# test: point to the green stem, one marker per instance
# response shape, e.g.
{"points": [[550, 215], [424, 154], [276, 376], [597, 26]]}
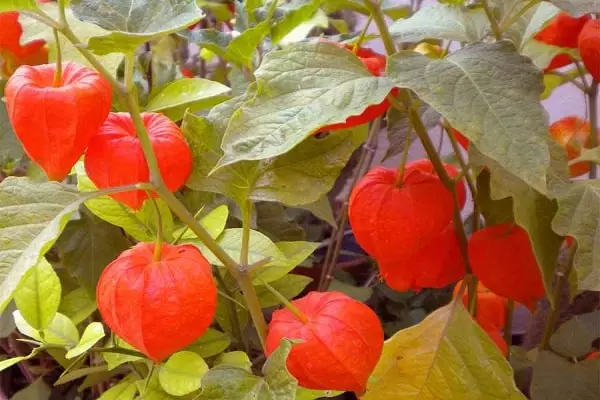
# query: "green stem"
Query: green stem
{"points": [[384, 32], [246, 217], [297, 313], [472, 295], [403, 160], [186, 228], [493, 23], [513, 18], [363, 33], [562, 279], [159, 228], [461, 161], [593, 111], [510, 308], [58, 73], [449, 183], [232, 310]]}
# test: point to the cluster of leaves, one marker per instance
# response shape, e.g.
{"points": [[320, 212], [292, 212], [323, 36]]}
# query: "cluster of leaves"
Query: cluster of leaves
{"points": [[249, 122]]}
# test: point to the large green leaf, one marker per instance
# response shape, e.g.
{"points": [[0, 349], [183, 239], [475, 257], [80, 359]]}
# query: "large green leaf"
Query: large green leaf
{"points": [[299, 89], [77, 305], [578, 7], [32, 216], [530, 23], [192, 94], [294, 13], [299, 177], [555, 378], [232, 383], [33, 29], [442, 21], [91, 335], [140, 224], [131, 23], [38, 295], [446, 356], [61, 331], [87, 246], [182, 373], [577, 216], [575, 337], [491, 94]]}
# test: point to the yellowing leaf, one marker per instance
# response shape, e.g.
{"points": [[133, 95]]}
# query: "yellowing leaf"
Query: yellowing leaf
{"points": [[447, 356]]}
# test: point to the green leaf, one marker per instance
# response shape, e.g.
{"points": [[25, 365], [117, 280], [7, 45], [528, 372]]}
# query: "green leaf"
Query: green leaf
{"points": [[10, 147], [575, 337], [32, 216], [70, 376], [193, 94], [140, 224], [77, 305], [231, 241], [541, 54], [321, 209], [506, 121], [530, 23], [232, 383], [293, 100], [555, 378], [132, 23], [9, 362], [223, 316], [577, 216], [214, 222], [61, 331], [441, 21], [91, 335], [124, 390], [239, 49], [302, 176], [237, 359], [87, 246], [7, 322], [113, 360], [18, 5], [274, 220], [532, 210], [301, 31], [446, 356], [399, 128], [182, 373], [38, 295], [289, 286], [293, 254], [211, 343], [578, 7], [38, 390], [295, 13], [33, 29], [308, 171]]}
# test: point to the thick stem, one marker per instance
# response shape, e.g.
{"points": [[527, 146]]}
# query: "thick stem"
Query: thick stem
{"points": [[493, 22], [510, 308], [379, 18], [403, 160], [593, 112], [58, 73], [562, 279], [254, 307], [159, 229], [246, 217]]}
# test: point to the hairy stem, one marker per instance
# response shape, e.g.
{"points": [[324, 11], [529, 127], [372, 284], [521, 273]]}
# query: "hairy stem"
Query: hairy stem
{"points": [[562, 279], [593, 112], [493, 22]]}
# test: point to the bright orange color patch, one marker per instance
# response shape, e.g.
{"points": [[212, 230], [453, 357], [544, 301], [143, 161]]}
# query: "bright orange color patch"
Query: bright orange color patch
{"points": [[56, 124], [408, 229], [460, 138], [502, 258], [563, 30], [12, 53], [589, 47], [158, 307], [115, 156], [375, 63], [573, 134], [491, 308], [341, 343]]}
